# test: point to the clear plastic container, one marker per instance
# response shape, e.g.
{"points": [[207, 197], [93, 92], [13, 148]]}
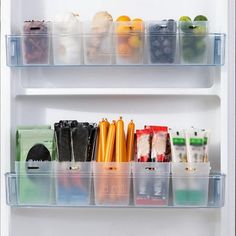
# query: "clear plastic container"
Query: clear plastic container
{"points": [[73, 183], [151, 183], [112, 183], [36, 43], [161, 42], [194, 42], [67, 43], [129, 42], [34, 182], [98, 48], [13, 46], [190, 184], [58, 196]]}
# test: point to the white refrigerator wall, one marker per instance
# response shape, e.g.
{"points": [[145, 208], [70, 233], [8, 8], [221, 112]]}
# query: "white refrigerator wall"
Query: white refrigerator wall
{"points": [[176, 96]]}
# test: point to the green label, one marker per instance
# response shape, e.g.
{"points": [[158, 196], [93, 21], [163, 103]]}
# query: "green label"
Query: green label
{"points": [[196, 141], [205, 140], [179, 141]]}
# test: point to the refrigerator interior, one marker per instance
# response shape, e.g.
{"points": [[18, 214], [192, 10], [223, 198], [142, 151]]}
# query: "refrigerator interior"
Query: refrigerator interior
{"points": [[177, 96]]}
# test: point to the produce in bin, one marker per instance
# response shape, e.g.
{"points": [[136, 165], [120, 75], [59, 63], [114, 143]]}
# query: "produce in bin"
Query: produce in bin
{"points": [[67, 40], [36, 42], [98, 40], [129, 40], [193, 39], [162, 41]]}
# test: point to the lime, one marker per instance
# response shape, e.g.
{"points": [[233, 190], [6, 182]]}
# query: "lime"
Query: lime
{"points": [[185, 18], [201, 29], [200, 18], [186, 26], [200, 47], [188, 54]]}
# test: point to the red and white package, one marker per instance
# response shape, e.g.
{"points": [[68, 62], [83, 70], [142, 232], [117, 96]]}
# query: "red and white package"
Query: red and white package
{"points": [[159, 143], [143, 145]]}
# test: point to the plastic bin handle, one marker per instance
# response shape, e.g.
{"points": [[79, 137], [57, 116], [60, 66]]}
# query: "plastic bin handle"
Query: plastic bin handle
{"points": [[190, 169]]}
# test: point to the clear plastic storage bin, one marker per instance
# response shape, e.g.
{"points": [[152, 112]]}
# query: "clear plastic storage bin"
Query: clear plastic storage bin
{"points": [[190, 183], [194, 42], [98, 48], [34, 183], [129, 42], [73, 183], [112, 183], [151, 183], [36, 43], [67, 43], [161, 42]]}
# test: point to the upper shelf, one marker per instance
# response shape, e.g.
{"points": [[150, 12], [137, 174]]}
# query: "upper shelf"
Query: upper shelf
{"points": [[169, 49]]}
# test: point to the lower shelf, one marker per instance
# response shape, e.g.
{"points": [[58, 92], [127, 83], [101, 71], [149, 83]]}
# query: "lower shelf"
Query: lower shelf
{"points": [[123, 190]]}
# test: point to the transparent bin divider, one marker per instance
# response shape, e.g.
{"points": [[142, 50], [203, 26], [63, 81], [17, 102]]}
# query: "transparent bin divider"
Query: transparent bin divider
{"points": [[161, 42], [151, 183], [129, 40], [11, 189], [217, 49], [73, 183], [98, 43], [67, 43], [194, 42], [14, 53], [190, 183], [112, 183], [35, 183], [216, 194], [36, 43]]}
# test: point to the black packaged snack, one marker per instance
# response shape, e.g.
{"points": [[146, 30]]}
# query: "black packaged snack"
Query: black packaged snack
{"points": [[76, 141], [63, 140], [162, 41]]}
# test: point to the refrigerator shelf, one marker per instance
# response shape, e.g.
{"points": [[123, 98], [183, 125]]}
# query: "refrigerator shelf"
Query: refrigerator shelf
{"points": [[119, 190], [62, 50], [118, 91]]}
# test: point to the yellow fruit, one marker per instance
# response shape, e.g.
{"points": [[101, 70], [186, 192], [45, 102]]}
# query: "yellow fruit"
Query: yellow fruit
{"points": [[134, 41], [123, 18], [123, 29], [124, 50], [137, 25]]}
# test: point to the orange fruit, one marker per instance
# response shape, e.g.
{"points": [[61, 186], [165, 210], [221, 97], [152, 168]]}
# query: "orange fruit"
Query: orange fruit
{"points": [[124, 50], [123, 29], [134, 41], [137, 25], [123, 18], [122, 39]]}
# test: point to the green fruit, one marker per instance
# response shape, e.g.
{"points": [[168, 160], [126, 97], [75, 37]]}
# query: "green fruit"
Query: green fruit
{"points": [[185, 18], [200, 29], [200, 18], [188, 41], [186, 26], [188, 53], [200, 47]]}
